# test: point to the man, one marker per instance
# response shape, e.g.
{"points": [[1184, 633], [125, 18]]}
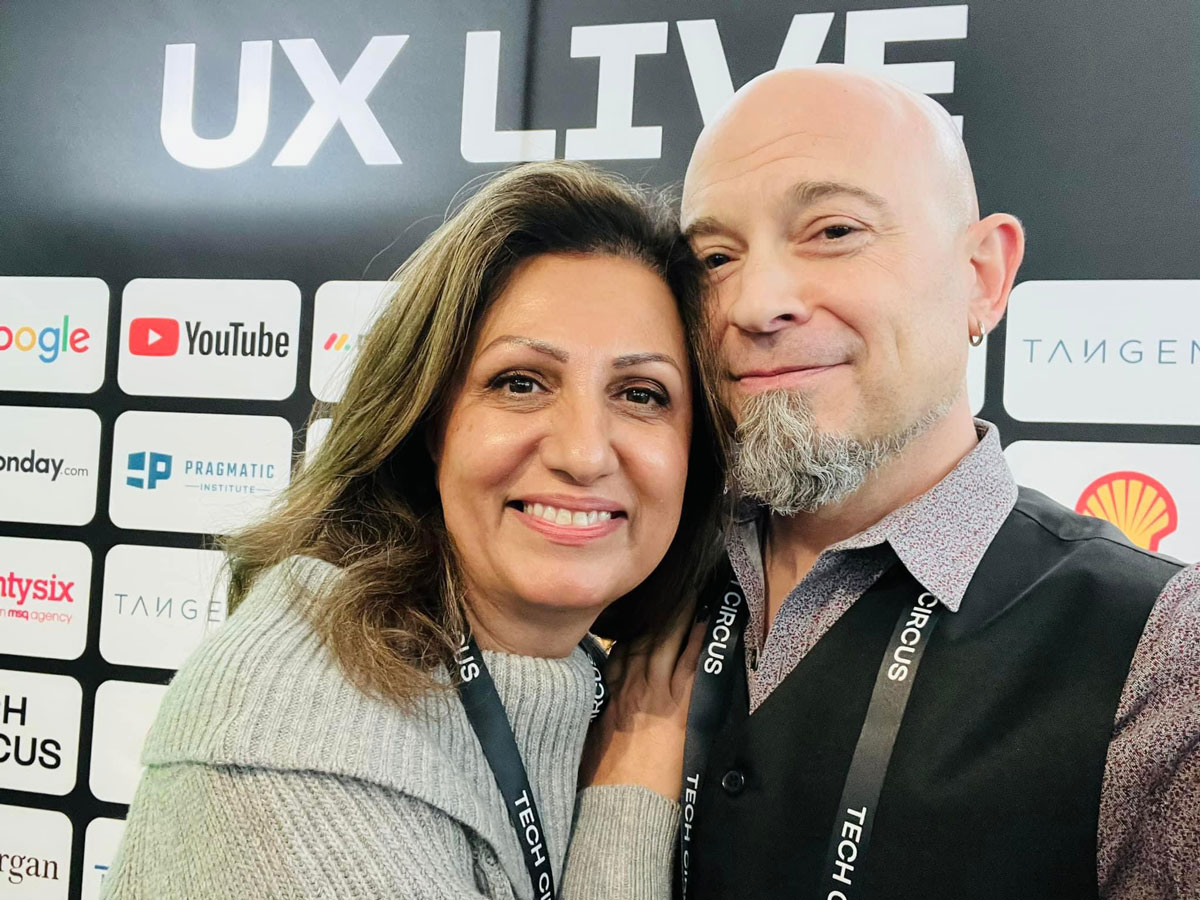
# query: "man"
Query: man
{"points": [[1007, 693]]}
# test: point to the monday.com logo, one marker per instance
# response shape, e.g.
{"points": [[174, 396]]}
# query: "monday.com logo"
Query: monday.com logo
{"points": [[342, 315], [52, 334], [194, 337], [196, 472], [1104, 351], [49, 461]]}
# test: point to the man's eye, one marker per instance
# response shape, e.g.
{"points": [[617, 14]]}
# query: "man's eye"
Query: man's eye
{"points": [[715, 260], [833, 232]]}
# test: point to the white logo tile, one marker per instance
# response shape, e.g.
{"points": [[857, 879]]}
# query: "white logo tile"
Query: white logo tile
{"points": [[1104, 351], [200, 337], [1150, 491], [125, 710], [39, 731], [196, 471], [49, 462], [100, 843], [159, 603], [53, 334], [35, 854], [343, 313], [44, 591]]}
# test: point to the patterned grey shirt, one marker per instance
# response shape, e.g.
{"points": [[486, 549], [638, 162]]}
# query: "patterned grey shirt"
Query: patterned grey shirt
{"points": [[1148, 840]]}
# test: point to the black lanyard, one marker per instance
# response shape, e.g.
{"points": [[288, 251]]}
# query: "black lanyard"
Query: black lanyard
{"points": [[712, 693], [490, 723]]}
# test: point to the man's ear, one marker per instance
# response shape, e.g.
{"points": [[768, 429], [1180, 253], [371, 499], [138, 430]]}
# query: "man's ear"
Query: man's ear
{"points": [[997, 245]]}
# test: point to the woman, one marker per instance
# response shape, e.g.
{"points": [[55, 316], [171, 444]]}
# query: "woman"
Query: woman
{"points": [[524, 445]]}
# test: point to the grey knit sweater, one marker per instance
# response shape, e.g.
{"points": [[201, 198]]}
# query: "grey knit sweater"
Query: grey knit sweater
{"points": [[269, 775]]}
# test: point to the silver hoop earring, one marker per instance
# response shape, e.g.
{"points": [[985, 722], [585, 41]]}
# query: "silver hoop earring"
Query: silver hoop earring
{"points": [[977, 339]]}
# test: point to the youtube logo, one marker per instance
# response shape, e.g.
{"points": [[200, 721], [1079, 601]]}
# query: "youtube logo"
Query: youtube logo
{"points": [[149, 336]]}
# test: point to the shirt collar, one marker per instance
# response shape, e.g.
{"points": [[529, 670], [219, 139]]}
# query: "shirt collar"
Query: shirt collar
{"points": [[941, 536]]}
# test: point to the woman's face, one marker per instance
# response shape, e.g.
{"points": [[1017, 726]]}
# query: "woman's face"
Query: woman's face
{"points": [[563, 456]]}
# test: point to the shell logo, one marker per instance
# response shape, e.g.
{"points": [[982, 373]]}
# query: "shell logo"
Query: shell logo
{"points": [[1136, 503]]}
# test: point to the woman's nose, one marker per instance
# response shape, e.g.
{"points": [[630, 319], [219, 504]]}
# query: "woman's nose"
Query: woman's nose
{"points": [[579, 444], [767, 296]]}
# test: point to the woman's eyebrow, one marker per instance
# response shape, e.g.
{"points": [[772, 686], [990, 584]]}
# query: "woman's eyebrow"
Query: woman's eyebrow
{"points": [[634, 359], [532, 343]]}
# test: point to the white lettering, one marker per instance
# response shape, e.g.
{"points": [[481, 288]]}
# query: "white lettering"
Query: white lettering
{"points": [[618, 47], [480, 142], [344, 101]]}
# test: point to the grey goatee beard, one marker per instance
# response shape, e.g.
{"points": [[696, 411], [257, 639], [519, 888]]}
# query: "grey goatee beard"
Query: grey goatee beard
{"points": [[787, 464]]}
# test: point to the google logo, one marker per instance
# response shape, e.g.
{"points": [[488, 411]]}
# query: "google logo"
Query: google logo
{"points": [[50, 341]]}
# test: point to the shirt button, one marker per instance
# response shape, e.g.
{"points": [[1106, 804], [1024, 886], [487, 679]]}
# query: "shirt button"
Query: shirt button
{"points": [[733, 781]]}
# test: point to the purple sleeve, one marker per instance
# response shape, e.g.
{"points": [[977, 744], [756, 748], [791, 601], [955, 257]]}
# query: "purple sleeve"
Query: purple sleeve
{"points": [[1149, 836]]}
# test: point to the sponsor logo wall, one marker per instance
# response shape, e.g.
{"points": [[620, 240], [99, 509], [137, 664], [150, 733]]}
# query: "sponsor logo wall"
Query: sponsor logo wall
{"points": [[178, 289]]}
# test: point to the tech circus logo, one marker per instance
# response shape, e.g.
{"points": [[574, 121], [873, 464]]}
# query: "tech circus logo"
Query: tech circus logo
{"points": [[1139, 505]]}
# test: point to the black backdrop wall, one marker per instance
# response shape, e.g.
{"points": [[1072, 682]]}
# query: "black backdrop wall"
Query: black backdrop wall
{"points": [[269, 164]]}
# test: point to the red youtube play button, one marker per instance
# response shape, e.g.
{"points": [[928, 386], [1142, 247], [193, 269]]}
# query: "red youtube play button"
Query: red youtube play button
{"points": [[153, 337]]}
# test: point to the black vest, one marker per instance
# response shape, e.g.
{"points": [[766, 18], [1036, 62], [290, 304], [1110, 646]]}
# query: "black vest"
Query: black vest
{"points": [[993, 789]]}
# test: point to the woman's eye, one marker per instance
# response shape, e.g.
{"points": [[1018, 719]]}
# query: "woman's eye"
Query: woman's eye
{"points": [[516, 384], [644, 396], [715, 260], [833, 232]]}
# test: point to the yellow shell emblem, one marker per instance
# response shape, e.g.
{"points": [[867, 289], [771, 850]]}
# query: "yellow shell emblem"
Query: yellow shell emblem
{"points": [[1136, 503]]}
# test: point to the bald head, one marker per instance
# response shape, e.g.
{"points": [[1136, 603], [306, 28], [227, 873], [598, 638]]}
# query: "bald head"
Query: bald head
{"points": [[875, 125]]}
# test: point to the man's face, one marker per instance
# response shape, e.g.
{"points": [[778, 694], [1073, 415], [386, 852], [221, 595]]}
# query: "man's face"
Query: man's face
{"points": [[837, 264]]}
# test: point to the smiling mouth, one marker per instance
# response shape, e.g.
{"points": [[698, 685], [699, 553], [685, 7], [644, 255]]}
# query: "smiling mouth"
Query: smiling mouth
{"points": [[564, 516]]}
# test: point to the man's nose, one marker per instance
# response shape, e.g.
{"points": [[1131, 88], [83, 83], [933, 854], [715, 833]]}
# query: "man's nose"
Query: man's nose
{"points": [[767, 295], [579, 445]]}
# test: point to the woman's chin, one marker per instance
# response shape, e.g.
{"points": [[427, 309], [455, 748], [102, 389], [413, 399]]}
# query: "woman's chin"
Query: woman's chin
{"points": [[572, 596]]}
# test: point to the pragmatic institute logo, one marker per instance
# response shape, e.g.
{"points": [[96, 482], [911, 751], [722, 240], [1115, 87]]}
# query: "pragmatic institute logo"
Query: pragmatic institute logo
{"points": [[1139, 505]]}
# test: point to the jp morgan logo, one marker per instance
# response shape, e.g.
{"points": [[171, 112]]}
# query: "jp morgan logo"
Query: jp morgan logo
{"points": [[34, 463], [16, 867]]}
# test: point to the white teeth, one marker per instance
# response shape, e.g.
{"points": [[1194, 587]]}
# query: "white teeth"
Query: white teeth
{"points": [[574, 518]]}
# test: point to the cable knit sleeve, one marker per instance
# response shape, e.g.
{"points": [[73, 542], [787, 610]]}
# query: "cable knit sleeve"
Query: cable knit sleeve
{"points": [[623, 845], [201, 832]]}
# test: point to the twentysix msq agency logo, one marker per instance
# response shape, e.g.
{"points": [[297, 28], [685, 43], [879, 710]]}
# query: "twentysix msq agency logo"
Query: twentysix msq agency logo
{"points": [[44, 593], [1104, 351], [204, 337], [35, 854], [159, 603], [49, 461], [343, 313], [1149, 491], [53, 334], [196, 472], [100, 843]]}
